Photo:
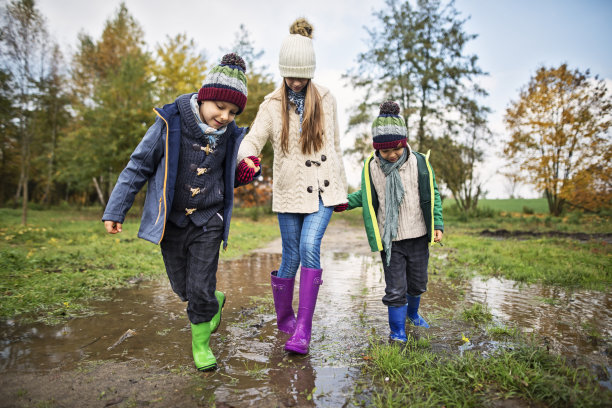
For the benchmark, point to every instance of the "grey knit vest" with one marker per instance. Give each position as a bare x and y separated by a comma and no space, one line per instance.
199,183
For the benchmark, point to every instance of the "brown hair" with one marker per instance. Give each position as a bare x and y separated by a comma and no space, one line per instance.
312,121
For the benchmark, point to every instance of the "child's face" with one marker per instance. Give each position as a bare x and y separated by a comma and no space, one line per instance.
296,84
217,114
392,155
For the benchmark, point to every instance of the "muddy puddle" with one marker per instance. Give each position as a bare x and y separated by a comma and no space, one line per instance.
136,350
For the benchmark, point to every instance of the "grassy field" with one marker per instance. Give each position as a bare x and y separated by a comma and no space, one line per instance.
523,374
514,205
49,268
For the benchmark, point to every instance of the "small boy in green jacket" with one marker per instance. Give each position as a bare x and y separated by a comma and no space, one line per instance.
400,198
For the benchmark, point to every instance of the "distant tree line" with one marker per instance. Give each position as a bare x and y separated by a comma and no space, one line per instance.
559,128
69,124
67,128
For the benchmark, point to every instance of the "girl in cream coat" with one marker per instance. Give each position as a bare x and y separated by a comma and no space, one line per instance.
300,120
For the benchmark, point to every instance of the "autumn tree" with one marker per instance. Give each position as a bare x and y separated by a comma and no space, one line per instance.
113,100
24,40
457,158
560,137
179,69
51,118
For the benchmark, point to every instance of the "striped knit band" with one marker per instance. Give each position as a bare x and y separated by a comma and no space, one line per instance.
226,82
389,129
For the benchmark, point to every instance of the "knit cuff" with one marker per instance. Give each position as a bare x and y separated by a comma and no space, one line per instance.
245,172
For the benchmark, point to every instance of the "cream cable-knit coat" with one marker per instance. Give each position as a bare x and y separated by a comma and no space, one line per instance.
299,178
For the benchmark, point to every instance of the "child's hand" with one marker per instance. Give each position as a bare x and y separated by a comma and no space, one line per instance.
438,236
252,162
113,227
341,207
247,169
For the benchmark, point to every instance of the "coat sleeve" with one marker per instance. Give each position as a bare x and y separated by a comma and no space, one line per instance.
139,169
337,145
437,212
355,200
258,135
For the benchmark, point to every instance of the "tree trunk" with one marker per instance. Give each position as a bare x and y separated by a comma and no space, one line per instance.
99,191
24,203
50,163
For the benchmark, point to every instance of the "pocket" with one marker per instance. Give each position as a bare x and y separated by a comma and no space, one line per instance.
285,176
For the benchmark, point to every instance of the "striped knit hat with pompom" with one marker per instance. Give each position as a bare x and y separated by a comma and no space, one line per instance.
226,82
389,128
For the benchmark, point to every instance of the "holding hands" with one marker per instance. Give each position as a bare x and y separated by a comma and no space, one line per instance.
341,207
247,169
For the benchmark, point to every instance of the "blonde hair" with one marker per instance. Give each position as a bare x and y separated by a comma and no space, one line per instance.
312,120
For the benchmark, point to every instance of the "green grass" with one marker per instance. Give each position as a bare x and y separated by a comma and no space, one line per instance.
478,313
515,205
50,268
415,376
551,261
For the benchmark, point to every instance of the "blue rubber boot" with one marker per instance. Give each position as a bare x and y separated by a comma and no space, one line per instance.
412,310
397,323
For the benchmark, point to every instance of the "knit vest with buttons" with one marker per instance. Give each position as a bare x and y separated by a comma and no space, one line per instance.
199,186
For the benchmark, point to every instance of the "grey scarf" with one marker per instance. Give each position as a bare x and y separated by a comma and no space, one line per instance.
394,194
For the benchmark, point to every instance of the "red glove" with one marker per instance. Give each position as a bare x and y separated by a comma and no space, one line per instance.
341,207
246,172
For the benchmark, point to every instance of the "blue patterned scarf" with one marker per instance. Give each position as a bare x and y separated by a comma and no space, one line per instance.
298,99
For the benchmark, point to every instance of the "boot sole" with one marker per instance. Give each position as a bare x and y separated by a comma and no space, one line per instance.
296,350
208,368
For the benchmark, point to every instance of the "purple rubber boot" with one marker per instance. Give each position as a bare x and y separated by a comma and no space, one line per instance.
310,280
282,291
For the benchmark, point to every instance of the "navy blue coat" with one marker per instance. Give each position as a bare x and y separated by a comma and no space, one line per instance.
155,160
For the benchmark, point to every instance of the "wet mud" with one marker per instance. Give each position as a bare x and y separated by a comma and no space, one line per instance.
136,350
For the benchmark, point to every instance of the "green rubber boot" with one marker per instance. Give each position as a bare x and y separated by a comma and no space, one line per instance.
203,356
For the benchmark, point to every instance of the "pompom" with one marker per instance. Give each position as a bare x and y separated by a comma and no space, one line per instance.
389,108
302,27
233,59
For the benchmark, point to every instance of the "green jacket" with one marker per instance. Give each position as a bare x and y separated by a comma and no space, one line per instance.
431,204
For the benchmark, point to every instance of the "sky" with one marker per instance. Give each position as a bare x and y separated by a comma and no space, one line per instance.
515,37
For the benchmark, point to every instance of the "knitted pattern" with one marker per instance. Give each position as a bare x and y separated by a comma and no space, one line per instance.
226,82
294,172
389,128
245,173
202,191
411,223
297,57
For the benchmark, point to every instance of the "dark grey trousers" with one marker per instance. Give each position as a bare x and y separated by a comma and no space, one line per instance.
191,256
407,270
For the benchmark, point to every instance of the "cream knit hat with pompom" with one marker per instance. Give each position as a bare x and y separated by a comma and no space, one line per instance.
297,57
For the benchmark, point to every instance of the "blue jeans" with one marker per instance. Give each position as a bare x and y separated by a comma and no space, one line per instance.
301,235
